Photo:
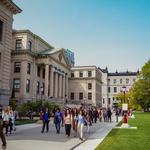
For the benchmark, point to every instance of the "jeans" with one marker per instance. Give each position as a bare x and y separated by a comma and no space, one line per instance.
68,129
57,125
45,123
2,135
80,129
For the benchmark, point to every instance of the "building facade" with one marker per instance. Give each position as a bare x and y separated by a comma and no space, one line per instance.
7,10
113,84
39,71
85,85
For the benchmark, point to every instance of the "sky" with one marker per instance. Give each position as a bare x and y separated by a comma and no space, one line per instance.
112,33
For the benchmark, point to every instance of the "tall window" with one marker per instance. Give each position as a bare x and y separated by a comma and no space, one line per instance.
43,73
120,81
38,87
38,71
18,44
89,73
30,45
89,86
28,86
113,98
115,89
108,80
17,67
103,100
81,74
89,96
72,96
1,31
16,85
108,89
115,81
72,74
80,96
28,68
109,99
127,81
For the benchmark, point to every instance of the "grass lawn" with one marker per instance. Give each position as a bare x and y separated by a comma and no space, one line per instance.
130,139
25,121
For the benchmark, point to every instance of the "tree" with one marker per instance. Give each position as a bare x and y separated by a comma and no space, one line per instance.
141,88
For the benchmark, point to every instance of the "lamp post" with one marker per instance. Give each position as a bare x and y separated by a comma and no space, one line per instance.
41,89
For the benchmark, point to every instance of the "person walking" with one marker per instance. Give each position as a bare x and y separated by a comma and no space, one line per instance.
74,121
117,114
68,122
46,119
2,136
57,120
81,121
109,113
100,115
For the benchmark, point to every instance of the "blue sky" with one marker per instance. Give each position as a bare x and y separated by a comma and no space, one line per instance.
113,33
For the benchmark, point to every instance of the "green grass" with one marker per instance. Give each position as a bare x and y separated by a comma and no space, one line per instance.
130,139
25,121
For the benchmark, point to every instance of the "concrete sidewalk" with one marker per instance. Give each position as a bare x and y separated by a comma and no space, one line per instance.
95,139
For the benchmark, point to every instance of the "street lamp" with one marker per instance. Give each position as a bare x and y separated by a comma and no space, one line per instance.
124,92
41,89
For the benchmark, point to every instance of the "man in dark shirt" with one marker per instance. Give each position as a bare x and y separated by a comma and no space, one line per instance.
1,129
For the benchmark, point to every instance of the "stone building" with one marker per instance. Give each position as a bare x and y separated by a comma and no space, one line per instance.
113,84
85,85
39,71
7,10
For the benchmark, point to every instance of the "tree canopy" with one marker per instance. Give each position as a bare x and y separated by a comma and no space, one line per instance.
141,88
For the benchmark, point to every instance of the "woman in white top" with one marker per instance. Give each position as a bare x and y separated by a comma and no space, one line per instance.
68,121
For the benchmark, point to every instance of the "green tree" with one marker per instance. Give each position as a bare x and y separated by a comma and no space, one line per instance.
141,88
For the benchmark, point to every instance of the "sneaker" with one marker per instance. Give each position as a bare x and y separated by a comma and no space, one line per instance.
3,146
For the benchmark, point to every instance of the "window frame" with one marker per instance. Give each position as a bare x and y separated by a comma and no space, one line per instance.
15,67
16,89
18,47
89,95
28,86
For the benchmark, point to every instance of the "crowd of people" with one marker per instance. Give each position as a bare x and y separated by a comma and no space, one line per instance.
75,119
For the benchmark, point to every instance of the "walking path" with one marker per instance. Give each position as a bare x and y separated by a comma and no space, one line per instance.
29,137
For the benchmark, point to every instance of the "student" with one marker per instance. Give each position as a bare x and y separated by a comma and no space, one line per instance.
68,122
46,117
57,120
109,113
1,130
81,121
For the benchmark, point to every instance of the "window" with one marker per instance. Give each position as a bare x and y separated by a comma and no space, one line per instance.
28,86
43,73
30,45
120,81
103,100
109,99
38,87
115,89
72,74
16,85
1,31
38,71
89,86
18,44
115,81
108,80
28,68
109,90
17,67
81,74
72,96
113,98
80,96
89,73
127,81
43,89
89,96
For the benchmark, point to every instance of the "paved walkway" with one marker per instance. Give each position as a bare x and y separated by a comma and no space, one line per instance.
29,137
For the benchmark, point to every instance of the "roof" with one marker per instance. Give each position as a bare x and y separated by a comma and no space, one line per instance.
12,6
48,51
123,74
103,70
34,35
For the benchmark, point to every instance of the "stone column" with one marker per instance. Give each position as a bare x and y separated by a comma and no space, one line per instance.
52,82
56,85
60,86
46,79
66,93
63,86
23,79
